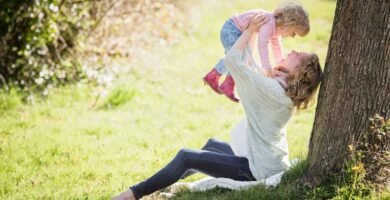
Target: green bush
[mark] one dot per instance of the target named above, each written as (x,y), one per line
(46,43)
(38,38)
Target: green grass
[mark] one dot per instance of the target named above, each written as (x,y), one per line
(118,97)
(66,147)
(286,190)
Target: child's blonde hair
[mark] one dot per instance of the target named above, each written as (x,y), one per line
(293,15)
(302,84)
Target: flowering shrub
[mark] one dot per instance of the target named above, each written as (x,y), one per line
(37,39)
(45,43)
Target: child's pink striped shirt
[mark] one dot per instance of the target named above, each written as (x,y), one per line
(266,33)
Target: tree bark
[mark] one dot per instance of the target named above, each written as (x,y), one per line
(356,84)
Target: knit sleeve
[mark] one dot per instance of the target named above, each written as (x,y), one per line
(254,88)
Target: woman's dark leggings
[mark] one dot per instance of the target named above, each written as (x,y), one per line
(215,159)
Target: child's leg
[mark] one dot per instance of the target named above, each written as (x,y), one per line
(211,163)
(227,88)
(229,35)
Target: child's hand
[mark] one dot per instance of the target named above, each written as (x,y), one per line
(256,22)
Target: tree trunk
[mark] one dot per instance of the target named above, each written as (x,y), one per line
(356,84)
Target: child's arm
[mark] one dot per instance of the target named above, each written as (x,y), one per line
(263,40)
(251,42)
(276,45)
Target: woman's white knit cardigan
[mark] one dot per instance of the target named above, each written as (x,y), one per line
(267,110)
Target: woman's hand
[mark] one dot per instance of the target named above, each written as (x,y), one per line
(256,22)
(276,72)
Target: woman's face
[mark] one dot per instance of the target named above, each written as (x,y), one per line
(293,61)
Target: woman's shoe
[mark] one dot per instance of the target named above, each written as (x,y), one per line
(212,79)
(227,88)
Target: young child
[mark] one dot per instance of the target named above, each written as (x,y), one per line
(287,20)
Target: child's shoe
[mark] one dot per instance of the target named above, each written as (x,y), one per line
(212,79)
(227,87)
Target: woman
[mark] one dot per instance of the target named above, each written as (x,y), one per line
(260,150)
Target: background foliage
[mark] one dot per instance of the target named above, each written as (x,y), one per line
(37,39)
(46,43)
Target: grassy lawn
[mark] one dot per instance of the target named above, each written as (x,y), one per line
(62,148)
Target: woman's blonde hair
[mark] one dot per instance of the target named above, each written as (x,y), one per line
(302,84)
(293,15)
